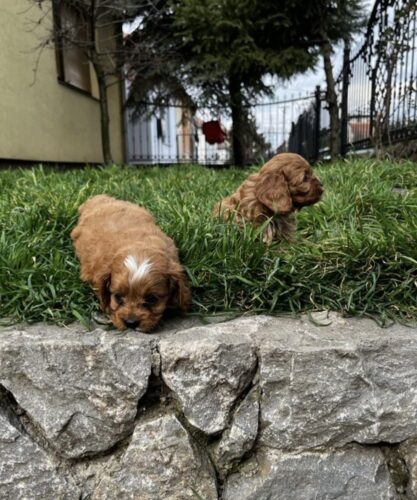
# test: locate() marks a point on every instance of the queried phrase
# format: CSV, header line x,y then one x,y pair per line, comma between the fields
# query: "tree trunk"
x,y
238,122
99,69
104,118
385,118
331,98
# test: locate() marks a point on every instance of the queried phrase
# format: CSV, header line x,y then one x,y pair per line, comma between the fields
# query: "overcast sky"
x,y
307,82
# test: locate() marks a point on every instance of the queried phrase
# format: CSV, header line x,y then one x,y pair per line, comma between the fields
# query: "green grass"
x,y
356,251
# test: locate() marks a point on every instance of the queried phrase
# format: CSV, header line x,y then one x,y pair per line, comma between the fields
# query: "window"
x,y
72,38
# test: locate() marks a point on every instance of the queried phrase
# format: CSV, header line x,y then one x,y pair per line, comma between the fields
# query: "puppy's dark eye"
x,y
307,177
151,299
118,298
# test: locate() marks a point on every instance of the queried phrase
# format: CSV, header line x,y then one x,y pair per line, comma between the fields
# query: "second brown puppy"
x,y
131,264
284,184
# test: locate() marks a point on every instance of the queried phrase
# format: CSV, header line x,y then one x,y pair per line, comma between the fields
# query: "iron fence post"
x,y
344,104
317,124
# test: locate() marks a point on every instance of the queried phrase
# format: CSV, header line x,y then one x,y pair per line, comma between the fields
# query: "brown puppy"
x,y
285,183
131,264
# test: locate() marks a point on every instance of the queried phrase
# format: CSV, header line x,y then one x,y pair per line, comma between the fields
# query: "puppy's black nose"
x,y
131,323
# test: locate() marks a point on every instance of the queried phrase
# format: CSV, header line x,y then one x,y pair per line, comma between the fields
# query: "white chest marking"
x,y
137,270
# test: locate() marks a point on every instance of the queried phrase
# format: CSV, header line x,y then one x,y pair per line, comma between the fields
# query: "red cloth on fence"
x,y
213,132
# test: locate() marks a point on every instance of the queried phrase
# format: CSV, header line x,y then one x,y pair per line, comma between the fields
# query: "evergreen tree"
x,y
220,53
234,44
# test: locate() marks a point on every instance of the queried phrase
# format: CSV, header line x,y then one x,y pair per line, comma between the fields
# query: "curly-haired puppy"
x,y
284,184
131,264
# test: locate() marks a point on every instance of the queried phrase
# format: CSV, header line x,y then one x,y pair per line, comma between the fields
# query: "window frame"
x,y
59,52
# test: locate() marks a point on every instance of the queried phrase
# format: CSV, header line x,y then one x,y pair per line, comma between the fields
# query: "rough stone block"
x,y
26,471
240,437
207,368
357,473
80,389
161,462
335,385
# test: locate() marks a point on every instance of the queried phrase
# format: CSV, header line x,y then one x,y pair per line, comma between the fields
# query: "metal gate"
x,y
170,134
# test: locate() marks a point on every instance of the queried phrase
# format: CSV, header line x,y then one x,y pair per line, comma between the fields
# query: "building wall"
x,y
41,119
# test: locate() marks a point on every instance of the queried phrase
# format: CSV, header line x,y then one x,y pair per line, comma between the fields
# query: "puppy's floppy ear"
x,y
180,292
271,189
103,291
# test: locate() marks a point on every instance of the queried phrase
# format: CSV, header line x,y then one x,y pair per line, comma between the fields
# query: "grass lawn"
x,y
356,251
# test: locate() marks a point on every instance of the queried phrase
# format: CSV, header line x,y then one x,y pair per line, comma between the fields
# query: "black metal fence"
x,y
286,125
170,134
381,106
305,137
377,93
377,88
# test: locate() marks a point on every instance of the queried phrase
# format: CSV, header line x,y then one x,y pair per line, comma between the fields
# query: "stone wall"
x,y
255,408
